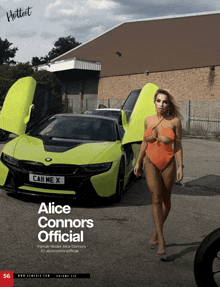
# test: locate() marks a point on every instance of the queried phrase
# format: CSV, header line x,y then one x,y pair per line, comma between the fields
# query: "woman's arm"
x,y
142,153
178,150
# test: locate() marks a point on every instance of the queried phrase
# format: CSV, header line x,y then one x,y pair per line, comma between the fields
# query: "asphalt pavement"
x,y
118,253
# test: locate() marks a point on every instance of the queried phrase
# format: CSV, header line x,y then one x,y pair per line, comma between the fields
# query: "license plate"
x,y
46,179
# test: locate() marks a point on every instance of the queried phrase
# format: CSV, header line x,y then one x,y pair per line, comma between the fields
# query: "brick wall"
x,y
195,84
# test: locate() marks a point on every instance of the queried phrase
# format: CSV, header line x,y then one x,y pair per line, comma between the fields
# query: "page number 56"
x,y
6,275
6,278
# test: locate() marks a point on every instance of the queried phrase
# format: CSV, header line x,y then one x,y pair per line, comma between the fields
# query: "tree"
x,y
39,61
6,53
61,46
51,80
20,70
10,74
5,82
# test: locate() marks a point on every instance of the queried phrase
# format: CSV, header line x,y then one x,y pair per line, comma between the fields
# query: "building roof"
x,y
154,45
69,64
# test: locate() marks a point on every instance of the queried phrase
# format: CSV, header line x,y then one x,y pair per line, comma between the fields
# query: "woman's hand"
x,y
138,169
179,173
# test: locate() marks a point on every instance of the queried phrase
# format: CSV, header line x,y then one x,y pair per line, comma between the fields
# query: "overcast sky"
x,y
47,20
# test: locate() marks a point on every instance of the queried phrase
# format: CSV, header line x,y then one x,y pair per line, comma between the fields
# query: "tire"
x,y
4,135
205,259
120,182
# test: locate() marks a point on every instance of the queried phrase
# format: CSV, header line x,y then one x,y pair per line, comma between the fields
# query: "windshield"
x,y
131,100
77,128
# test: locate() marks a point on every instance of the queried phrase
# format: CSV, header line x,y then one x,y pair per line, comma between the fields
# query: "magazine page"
x,y
109,141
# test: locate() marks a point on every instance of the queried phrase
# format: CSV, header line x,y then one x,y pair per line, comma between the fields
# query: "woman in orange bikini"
x,y
162,131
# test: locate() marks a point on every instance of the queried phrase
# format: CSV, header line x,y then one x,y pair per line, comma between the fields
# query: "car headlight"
x,y
9,160
99,167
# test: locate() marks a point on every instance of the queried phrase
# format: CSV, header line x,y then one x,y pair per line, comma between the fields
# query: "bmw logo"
x,y
48,159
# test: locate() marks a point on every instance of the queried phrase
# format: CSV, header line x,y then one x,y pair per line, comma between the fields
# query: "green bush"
x,y
10,74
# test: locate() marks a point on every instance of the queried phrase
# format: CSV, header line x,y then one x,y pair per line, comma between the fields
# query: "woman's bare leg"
x,y
168,179
154,181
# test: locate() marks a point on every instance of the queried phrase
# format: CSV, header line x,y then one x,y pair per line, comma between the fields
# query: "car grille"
x,y
53,169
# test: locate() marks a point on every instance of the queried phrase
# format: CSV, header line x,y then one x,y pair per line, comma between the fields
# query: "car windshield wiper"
x,y
63,138
76,140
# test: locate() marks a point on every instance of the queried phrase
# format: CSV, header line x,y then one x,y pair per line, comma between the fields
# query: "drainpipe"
x,y
81,93
188,117
65,96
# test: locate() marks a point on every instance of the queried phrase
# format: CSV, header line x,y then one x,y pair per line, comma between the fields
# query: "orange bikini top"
x,y
166,132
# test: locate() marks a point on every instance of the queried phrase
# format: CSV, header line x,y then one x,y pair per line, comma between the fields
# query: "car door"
x,y
27,102
144,107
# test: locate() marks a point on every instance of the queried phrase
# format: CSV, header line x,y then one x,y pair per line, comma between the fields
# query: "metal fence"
x,y
199,117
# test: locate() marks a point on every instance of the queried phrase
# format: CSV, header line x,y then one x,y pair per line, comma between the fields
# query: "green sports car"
x,y
81,156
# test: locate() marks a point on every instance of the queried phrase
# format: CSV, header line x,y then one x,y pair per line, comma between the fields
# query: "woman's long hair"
x,y
174,107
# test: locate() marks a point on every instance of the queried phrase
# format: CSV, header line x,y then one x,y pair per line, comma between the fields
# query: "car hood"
x,y
31,148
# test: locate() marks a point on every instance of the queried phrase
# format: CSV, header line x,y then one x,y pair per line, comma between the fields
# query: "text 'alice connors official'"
x,y
56,234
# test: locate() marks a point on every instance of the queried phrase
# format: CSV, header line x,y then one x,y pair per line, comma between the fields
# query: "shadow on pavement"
x,y
136,195
209,181
208,185
193,246
61,201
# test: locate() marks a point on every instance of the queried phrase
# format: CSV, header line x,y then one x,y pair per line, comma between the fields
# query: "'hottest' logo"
x,y
19,13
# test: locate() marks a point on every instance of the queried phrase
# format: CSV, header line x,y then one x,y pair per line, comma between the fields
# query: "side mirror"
x,y
124,120
32,112
26,120
120,120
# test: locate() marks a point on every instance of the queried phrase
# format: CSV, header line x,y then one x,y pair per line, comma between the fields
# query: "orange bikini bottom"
x,y
160,155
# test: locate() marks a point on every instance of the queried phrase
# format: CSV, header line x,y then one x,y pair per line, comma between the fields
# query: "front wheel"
x,y
120,182
3,135
207,261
